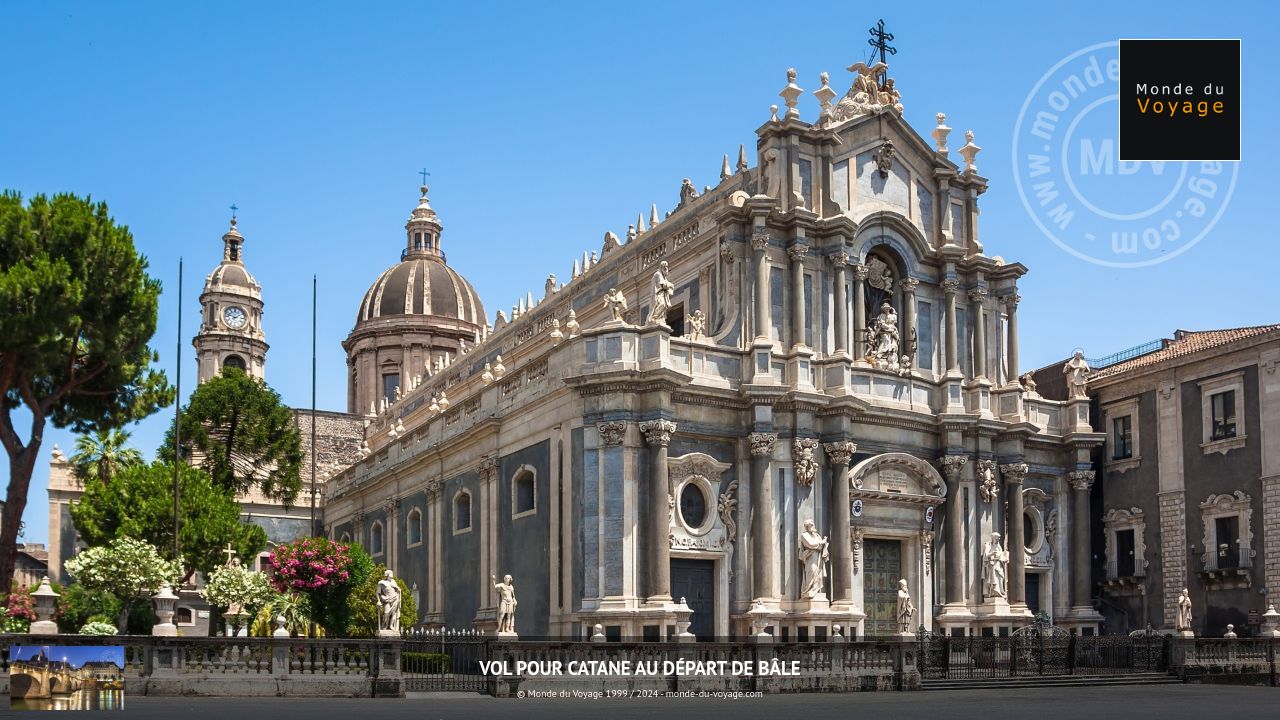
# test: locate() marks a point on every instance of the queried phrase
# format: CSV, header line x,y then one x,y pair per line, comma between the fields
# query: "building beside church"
x,y
820,338
1190,476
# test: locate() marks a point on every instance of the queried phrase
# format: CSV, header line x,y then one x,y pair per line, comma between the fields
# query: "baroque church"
x,y
767,407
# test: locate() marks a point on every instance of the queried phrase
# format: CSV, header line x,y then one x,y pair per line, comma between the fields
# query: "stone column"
x,y
760,241
951,287
909,286
840,260
840,453
1081,579
796,252
1013,474
860,273
390,538
763,543
488,525
657,433
952,467
1011,310
976,297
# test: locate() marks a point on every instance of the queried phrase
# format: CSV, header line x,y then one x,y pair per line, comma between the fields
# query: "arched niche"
x,y
898,473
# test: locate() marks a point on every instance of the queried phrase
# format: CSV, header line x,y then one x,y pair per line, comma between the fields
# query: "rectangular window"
x,y
1227,530
775,301
808,310
963,342
924,335
390,382
1224,415
1122,438
1124,553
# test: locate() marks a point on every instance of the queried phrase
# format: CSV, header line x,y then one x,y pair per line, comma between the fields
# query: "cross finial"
x,y
233,211
879,42
230,553
423,172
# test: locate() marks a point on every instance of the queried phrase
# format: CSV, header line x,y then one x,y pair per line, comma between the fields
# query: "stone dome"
x,y
422,285
232,274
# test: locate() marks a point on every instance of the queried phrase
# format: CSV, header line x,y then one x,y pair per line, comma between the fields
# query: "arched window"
x,y
234,361
345,539
183,616
461,512
375,538
524,492
414,527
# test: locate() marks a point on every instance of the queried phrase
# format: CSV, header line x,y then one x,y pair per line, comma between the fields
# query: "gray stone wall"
x,y
337,441
1130,489
412,561
461,551
524,543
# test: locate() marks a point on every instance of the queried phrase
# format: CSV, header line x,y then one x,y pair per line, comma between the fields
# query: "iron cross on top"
x,y
423,172
879,42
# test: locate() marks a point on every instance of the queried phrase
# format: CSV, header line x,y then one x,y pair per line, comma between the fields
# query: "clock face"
x,y
234,317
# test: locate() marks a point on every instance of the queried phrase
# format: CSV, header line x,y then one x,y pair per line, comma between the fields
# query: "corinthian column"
x,y
860,273
909,286
952,467
1011,310
760,241
976,297
1081,568
796,252
1013,475
657,433
951,287
840,261
763,544
840,453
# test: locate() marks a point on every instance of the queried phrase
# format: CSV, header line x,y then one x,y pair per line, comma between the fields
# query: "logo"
x,y
1082,196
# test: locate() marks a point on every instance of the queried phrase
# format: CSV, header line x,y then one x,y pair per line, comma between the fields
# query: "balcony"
x,y
1125,577
1228,568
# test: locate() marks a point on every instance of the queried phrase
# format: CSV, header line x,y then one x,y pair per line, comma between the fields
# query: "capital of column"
x,y
806,468
909,284
797,251
613,432
1014,472
1081,479
760,238
839,259
434,486
840,452
861,273
951,286
1011,302
488,469
762,443
392,505
358,520
977,295
952,466
657,432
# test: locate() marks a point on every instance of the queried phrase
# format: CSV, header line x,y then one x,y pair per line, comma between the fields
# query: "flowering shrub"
x,y
11,624
98,628
325,572
237,587
127,568
20,604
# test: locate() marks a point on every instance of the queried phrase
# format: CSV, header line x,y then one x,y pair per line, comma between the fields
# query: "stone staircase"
x,y
1040,681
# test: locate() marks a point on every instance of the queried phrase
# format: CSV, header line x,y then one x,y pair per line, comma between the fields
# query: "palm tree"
x,y
102,454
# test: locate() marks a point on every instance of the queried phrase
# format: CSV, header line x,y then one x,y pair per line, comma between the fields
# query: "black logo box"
x,y
1161,77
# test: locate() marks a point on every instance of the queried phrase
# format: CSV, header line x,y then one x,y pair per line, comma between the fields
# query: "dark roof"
x,y
1184,342
422,286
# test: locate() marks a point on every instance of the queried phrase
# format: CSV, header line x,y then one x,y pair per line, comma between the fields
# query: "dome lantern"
x,y
423,230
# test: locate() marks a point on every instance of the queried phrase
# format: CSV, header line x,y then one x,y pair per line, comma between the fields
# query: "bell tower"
x,y
231,315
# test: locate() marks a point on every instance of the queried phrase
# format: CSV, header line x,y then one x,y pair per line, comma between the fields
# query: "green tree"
x,y
77,604
99,455
127,568
77,310
138,504
364,606
242,435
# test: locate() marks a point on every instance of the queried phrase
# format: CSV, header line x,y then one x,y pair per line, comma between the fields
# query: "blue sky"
x,y
543,126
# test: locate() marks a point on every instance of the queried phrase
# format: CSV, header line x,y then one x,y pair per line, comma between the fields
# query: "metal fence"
x,y
443,660
1044,654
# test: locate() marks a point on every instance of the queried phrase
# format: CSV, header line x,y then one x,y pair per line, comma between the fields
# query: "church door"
x,y
1033,592
882,568
694,580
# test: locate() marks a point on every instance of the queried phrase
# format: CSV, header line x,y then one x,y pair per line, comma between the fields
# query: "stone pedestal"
x,y
955,616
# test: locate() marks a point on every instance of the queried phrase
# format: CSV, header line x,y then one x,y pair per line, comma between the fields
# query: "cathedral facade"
x,y
793,393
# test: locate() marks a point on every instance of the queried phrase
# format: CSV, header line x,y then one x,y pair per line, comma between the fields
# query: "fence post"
x,y
1071,654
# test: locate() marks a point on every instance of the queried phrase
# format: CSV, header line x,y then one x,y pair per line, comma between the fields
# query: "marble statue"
x,y
883,349
995,560
1184,611
663,289
697,323
814,554
506,604
1028,382
617,304
906,609
1077,372
989,487
388,605
866,95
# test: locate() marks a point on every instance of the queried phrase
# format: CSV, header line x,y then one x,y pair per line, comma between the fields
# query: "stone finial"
x,y
653,215
571,324
631,233
970,153
725,173
940,134
773,113
577,270
498,368
640,227
549,287
556,335
825,95
57,454
487,375
742,159
791,95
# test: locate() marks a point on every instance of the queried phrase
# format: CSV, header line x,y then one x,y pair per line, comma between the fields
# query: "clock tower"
x,y
231,315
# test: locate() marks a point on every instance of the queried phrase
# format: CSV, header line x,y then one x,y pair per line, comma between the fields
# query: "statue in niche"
x,y
906,609
388,605
1184,611
663,290
815,555
882,351
1077,372
616,302
995,562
